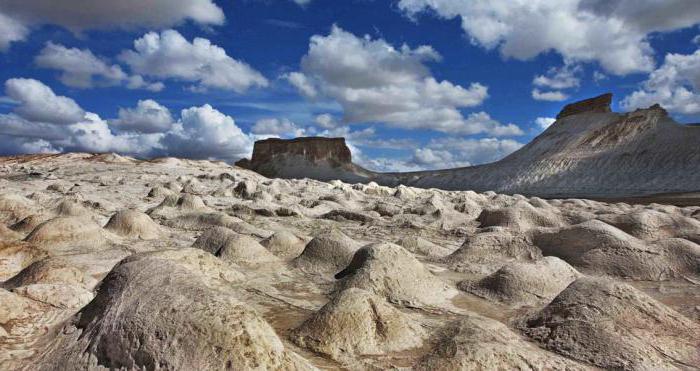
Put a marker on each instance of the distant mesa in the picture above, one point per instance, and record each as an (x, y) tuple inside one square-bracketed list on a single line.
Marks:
[(312, 149), (590, 151), (312, 157)]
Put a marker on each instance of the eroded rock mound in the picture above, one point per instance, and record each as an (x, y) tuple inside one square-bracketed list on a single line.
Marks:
[(612, 325), (284, 244), (327, 253), (51, 270), (234, 247), (392, 272), (521, 216), (67, 232), (522, 283), (651, 225), (602, 248), (14, 208), (134, 224), (485, 252), (358, 323), (479, 343), (133, 323)]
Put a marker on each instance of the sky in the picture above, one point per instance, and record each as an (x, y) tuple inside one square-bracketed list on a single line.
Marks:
[(411, 84)]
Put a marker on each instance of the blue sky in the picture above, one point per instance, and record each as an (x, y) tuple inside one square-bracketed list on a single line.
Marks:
[(412, 84)]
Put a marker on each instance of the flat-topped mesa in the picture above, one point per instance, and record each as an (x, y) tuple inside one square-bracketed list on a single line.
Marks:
[(599, 104), (312, 149)]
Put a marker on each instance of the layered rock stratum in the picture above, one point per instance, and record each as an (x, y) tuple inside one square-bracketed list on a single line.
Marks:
[(590, 151), (315, 157), (108, 262)]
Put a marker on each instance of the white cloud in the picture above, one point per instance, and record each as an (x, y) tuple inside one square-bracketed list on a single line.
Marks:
[(11, 30), (428, 158), (277, 127), (170, 55), (46, 122), (93, 134), (544, 122), (551, 96), (674, 85), (374, 82), (610, 32), (147, 117), (442, 153), (356, 137), (559, 78), (302, 83), (326, 121), (80, 68), (475, 151), (481, 122), (205, 133), (37, 102)]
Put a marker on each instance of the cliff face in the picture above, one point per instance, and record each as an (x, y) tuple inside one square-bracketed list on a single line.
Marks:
[(311, 157), (312, 149)]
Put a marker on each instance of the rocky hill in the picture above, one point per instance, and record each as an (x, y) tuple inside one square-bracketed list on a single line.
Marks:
[(589, 151)]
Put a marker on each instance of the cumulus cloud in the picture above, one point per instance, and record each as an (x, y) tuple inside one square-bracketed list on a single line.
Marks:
[(273, 127), (147, 117), (559, 78), (613, 33), (169, 55), (45, 122), (551, 96), (554, 81), (326, 121), (80, 68), (37, 102), (375, 82), (302, 83), (205, 133), (674, 85)]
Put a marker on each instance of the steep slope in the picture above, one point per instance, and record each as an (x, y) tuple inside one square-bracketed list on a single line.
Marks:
[(588, 151)]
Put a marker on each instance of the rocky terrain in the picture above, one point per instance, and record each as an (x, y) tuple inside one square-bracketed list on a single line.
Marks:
[(589, 151), (108, 262)]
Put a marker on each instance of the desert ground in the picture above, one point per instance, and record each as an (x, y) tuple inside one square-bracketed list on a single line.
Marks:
[(108, 262)]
